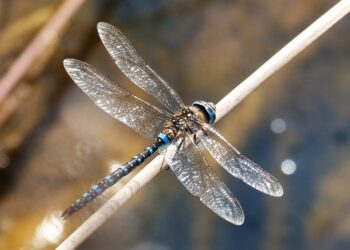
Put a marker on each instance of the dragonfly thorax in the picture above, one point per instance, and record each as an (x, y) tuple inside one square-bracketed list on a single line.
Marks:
[(179, 122), (182, 121)]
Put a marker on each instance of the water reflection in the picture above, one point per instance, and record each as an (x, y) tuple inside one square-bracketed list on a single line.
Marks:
[(278, 126), (49, 231), (288, 167)]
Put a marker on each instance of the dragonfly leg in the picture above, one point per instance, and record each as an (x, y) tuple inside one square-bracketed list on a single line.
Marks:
[(195, 138), (205, 132)]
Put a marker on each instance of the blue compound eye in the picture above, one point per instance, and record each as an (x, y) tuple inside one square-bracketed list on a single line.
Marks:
[(208, 108)]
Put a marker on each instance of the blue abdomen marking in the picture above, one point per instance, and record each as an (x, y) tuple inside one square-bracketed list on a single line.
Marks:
[(97, 189), (149, 150), (125, 171), (109, 180), (87, 196), (80, 202), (138, 159), (165, 139)]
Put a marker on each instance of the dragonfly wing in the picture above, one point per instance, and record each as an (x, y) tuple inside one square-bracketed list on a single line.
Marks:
[(115, 100), (220, 200), (132, 65), (237, 164), (185, 164), (192, 170)]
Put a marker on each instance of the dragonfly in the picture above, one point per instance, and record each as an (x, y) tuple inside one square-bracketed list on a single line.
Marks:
[(181, 133)]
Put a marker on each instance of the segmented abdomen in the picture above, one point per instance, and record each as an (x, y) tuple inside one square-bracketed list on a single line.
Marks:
[(111, 179)]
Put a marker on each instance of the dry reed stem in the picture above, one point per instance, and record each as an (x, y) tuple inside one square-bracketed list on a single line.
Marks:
[(223, 107), (45, 37)]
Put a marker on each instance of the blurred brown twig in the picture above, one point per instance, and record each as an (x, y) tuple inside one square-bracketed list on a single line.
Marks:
[(48, 35), (16, 34)]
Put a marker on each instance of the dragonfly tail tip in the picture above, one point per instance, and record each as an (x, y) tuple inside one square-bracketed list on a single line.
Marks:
[(67, 213)]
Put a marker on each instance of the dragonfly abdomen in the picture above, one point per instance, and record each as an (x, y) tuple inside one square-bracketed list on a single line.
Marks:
[(111, 179)]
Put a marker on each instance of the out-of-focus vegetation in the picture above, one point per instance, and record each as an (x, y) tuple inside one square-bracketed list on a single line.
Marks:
[(55, 143)]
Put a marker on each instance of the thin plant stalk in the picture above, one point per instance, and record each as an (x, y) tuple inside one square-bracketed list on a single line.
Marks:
[(48, 35)]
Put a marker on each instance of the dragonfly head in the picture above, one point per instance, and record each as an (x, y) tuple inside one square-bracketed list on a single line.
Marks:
[(208, 108)]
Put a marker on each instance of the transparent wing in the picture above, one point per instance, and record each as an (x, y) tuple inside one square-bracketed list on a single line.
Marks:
[(238, 165), (186, 165), (220, 200), (194, 173), (132, 65), (115, 100)]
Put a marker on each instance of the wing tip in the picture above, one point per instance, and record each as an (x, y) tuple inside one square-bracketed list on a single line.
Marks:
[(102, 25), (106, 29), (237, 218), (233, 214), (278, 191), (240, 221), (275, 190), (69, 62)]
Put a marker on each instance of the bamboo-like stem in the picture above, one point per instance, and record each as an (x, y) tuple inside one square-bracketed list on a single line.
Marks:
[(38, 45), (223, 107)]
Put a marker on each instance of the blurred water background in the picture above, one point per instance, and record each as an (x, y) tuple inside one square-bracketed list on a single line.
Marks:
[(55, 143)]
